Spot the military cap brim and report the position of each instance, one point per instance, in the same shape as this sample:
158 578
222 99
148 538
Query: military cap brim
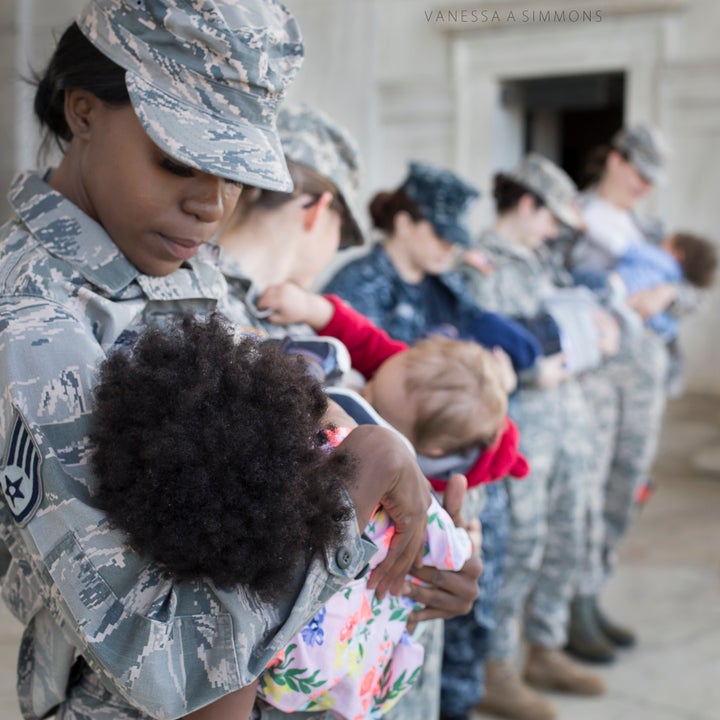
240 151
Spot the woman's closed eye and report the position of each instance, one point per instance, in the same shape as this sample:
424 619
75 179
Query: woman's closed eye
186 172
176 168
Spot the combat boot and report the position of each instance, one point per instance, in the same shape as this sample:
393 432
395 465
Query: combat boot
618 635
550 669
507 696
585 637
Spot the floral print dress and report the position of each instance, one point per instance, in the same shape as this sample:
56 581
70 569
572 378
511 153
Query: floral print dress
355 658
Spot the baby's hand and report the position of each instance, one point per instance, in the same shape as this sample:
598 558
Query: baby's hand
653 300
289 303
479 260
507 373
447 593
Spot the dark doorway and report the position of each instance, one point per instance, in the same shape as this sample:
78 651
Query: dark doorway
565 117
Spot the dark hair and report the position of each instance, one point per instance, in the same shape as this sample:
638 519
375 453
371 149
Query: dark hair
305 181
208 454
386 205
76 63
698 258
594 166
507 194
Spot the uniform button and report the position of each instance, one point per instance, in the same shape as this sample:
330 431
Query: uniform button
343 557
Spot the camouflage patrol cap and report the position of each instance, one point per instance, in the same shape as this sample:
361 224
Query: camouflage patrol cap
205 78
645 148
443 198
552 185
309 137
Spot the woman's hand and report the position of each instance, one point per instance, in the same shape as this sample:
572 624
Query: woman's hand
448 593
290 303
608 333
389 475
653 300
552 371
237 705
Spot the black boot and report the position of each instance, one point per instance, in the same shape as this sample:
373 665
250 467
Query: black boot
585 638
616 634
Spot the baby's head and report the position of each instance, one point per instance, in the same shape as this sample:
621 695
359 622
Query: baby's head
209 448
696 255
444 395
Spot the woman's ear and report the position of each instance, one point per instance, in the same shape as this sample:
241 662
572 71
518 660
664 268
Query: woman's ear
526 205
614 160
79 110
316 210
402 222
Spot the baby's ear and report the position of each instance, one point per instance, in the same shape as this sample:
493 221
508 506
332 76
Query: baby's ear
432 451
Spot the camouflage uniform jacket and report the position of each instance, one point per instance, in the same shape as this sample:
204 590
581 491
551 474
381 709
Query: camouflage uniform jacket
67 296
525 282
518 283
242 299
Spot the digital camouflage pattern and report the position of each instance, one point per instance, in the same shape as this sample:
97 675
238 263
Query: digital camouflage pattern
443 198
542 291
645 148
243 295
67 297
547 509
626 396
551 184
311 138
205 78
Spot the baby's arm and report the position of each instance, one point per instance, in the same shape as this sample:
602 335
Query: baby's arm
369 346
445 593
289 303
653 300
235 706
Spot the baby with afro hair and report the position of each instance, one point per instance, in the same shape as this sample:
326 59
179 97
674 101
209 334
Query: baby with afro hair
211 449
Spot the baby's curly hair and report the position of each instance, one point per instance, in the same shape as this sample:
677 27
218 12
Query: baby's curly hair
208 454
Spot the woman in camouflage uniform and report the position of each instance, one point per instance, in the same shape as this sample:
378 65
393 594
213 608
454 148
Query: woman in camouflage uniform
276 237
403 284
163 109
628 396
547 512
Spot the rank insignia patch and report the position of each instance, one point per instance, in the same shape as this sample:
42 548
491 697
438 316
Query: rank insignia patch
20 475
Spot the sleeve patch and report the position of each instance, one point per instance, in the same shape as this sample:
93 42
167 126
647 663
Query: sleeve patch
21 483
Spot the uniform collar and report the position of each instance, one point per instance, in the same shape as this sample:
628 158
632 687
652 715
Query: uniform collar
67 233
499 246
385 265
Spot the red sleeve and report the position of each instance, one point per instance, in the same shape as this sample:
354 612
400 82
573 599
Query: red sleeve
369 346
500 460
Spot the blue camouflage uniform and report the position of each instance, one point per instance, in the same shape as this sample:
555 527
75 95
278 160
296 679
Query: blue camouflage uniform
150 647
